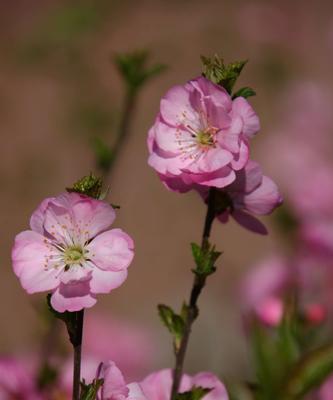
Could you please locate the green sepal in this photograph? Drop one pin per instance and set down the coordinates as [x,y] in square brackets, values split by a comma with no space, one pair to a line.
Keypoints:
[89,392]
[244,92]
[223,75]
[174,322]
[134,70]
[89,185]
[204,258]
[196,393]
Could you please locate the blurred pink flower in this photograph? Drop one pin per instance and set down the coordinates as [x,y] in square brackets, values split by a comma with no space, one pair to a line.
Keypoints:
[70,251]
[263,289]
[16,381]
[251,193]
[131,346]
[315,314]
[326,390]
[114,386]
[157,386]
[318,236]
[200,136]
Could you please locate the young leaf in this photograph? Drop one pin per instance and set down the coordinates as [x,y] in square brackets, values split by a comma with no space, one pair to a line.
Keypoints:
[226,76]
[89,392]
[244,92]
[205,259]
[89,185]
[134,70]
[174,322]
[196,393]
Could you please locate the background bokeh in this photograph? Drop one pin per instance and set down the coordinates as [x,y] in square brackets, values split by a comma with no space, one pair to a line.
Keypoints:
[60,92]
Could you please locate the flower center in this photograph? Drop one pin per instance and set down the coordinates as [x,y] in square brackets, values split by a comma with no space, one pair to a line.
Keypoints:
[206,138]
[74,255]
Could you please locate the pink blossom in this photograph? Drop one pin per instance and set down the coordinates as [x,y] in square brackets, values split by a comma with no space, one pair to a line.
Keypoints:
[16,381]
[157,386]
[318,236]
[315,313]
[263,289]
[114,386]
[200,136]
[71,252]
[131,346]
[326,390]
[251,193]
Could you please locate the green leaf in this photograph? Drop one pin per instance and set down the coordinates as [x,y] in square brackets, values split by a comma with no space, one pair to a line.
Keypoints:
[174,322]
[196,393]
[103,153]
[244,92]
[309,373]
[89,392]
[226,76]
[89,185]
[134,70]
[205,259]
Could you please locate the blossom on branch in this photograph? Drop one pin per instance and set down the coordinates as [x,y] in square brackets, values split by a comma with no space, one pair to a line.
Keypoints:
[71,251]
[200,136]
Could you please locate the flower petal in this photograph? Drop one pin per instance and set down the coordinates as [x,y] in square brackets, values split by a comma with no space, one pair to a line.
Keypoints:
[30,257]
[208,380]
[114,386]
[111,250]
[264,199]
[249,222]
[37,217]
[73,297]
[176,108]
[105,281]
[242,108]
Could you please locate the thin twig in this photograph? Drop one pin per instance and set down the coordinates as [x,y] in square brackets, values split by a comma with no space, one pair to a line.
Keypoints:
[192,312]
[77,345]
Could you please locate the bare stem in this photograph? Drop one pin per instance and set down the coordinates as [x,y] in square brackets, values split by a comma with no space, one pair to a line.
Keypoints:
[192,312]
[77,345]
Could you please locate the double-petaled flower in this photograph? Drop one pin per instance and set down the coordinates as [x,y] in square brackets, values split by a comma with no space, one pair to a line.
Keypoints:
[201,136]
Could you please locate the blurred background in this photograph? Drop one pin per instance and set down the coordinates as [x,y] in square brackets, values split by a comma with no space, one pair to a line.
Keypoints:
[61,103]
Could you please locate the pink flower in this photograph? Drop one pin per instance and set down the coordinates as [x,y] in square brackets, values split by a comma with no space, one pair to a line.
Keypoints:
[114,386]
[71,251]
[200,136]
[16,381]
[157,386]
[318,236]
[263,289]
[251,193]
[135,348]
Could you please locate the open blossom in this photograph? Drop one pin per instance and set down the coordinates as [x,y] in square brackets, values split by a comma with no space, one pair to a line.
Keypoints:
[114,386]
[71,251]
[157,386]
[200,136]
[251,193]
